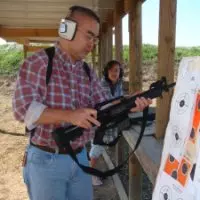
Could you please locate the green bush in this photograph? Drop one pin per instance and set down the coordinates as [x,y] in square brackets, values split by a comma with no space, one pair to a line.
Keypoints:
[10,59]
[11,55]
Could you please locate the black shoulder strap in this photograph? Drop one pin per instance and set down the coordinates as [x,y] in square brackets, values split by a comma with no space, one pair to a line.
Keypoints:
[50,53]
[87,70]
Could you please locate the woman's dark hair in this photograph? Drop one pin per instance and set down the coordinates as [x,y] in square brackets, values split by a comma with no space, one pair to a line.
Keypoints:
[109,65]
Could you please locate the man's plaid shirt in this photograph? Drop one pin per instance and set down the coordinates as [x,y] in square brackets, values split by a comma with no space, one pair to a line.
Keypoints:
[69,88]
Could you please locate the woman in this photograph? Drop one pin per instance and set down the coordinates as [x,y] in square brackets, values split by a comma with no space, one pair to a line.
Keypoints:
[112,84]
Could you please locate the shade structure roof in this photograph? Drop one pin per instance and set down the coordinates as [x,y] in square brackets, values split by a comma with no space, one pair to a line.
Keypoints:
[39,19]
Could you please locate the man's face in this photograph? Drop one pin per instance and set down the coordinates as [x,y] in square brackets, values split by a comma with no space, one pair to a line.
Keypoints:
[86,36]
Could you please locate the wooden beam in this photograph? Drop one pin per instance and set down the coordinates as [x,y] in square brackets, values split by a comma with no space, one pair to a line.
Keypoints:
[104,27]
[135,46]
[42,40]
[35,48]
[166,53]
[135,178]
[21,15]
[118,30]
[109,44]
[118,184]
[33,6]
[27,32]
[119,12]
[73,2]
[127,5]
[25,51]
[148,153]
[29,22]
[110,18]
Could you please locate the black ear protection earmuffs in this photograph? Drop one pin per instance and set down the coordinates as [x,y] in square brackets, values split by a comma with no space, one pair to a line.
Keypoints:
[67,29]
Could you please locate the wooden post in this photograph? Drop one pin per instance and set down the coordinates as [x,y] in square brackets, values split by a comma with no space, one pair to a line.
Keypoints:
[118,36]
[119,57]
[25,47]
[135,83]
[166,51]
[135,179]
[109,44]
[135,46]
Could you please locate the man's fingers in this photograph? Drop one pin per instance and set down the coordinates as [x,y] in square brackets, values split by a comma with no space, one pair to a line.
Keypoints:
[86,124]
[94,121]
[92,112]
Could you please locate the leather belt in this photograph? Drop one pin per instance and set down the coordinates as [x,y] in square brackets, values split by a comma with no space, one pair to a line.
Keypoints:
[61,151]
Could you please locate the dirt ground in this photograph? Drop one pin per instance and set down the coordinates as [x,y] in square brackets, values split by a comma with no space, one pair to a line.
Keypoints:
[12,145]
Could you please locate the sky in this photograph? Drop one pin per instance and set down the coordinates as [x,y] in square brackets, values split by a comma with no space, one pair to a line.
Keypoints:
[187,23]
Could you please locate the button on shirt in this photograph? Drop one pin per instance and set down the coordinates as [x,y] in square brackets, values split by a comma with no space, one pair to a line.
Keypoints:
[69,88]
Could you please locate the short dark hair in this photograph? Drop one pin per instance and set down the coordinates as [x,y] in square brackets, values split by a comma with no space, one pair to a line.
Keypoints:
[85,11]
[109,65]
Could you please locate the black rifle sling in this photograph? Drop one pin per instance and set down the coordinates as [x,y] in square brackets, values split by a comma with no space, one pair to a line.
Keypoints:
[104,174]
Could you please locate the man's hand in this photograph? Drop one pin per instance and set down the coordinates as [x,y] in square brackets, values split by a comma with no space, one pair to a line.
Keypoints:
[84,117]
[141,103]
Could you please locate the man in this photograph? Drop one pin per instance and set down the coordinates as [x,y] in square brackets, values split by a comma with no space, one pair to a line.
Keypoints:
[49,173]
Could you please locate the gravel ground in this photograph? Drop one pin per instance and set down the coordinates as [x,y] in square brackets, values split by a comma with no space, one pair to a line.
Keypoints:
[124,177]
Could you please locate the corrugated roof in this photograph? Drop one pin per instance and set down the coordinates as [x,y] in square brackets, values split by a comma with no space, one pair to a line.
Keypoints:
[39,19]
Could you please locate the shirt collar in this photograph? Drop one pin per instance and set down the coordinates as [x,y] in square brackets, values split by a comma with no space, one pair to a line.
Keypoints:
[64,57]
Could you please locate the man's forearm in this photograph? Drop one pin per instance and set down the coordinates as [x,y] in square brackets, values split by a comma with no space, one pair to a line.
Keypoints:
[54,116]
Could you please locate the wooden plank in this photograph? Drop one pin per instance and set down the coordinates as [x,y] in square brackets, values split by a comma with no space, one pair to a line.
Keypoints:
[166,53]
[103,4]
[74,2]
[51,7]
[110,18]
[135,47]
[27,32]
[25,51]
[32,14]
[148,152]
[32,6]
[127,5]
[118,14]
[16,22]
[109,44]
[35,48]
[135,179]
[118,184]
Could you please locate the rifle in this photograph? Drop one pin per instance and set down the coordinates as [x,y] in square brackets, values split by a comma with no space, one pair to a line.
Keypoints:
[109,117]
[112,115]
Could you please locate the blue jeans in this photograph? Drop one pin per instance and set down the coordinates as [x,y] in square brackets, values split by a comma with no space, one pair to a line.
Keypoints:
[50,176]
